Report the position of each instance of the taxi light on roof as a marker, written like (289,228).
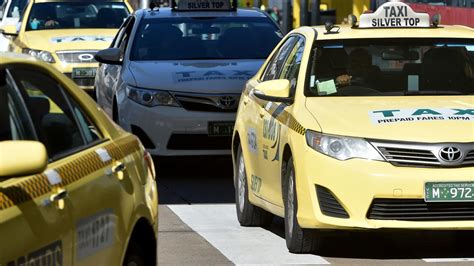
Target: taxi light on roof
(204,5)
(394,15)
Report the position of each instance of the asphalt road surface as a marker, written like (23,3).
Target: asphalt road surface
(198,226)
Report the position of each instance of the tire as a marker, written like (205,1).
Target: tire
(247,214)
(135,255)
(298,240)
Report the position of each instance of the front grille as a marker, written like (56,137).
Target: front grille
(76,56)
(83,82)
(419,210)
(328,204)
(425,154)
(199,142)
(401,156)
(226,103)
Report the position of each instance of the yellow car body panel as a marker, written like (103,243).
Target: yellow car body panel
(42,40)
(94,223)
(354,182)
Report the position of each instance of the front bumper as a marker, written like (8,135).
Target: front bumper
(174,131)
(356,183)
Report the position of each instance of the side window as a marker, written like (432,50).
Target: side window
(91,133)
(118,37)
(15,123)
(123,43)
(53,118)
(291,66)
(274,66)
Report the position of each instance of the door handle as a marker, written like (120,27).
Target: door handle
(262,113)
(61,194)
(246,100)
(119,167)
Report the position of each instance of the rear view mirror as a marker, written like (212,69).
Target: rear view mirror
(112,56)
(9,30)
(20,158)
(274,90)
(400,55)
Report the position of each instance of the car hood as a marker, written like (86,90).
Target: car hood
(409,118)
(205,76)
(71,39)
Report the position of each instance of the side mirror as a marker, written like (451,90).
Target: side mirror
(9,30)
(112,56)
(20,158)
(274,90)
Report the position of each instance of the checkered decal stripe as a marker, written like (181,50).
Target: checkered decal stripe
(38,185)
(279,113)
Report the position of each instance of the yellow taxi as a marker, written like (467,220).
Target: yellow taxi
(68,34)
(75,189)
(361,126)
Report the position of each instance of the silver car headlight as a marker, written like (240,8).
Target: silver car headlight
(44,56)
(151,98)
(342,148)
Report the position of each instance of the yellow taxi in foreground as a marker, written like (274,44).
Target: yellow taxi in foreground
(74,188)
(360,127)
(68,34)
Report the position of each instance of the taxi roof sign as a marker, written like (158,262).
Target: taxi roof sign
(394,15)
(204,5)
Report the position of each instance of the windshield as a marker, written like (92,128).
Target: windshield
(16,8)
(205,38)
(76,15)
(392,67)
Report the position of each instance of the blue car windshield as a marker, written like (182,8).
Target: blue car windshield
(205,38)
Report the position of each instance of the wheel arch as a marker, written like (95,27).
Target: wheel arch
(287,154)
(235,148)
(144,234)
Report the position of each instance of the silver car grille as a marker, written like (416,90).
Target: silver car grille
(208,102)
(77,56)
(427,155)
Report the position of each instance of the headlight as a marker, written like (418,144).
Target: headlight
(41,55)
(151,98)
(342,148)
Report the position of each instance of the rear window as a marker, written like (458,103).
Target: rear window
(77,15)
(205,38)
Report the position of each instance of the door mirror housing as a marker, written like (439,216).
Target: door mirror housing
(111,56)
(9,30)
(274,90)
(20,158)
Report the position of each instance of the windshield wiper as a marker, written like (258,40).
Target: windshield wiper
(433,93)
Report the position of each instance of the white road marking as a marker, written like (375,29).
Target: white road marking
(242,245)
(444,260)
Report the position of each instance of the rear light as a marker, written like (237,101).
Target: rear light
(149,163)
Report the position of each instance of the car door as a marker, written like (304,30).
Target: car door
(266,127)
(275,117)
(88,164)
(35,223)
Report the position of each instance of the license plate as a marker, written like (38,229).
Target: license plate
(87,72)
(449,191)
(220,128)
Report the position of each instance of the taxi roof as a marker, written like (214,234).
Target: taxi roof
(169,12)
(442,31)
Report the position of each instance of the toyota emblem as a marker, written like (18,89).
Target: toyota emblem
(86,57)
(227,102)
(450,154)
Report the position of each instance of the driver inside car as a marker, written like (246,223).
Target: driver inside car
(361,70)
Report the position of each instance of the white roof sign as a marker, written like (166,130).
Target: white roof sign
(394,15)
(196,5)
